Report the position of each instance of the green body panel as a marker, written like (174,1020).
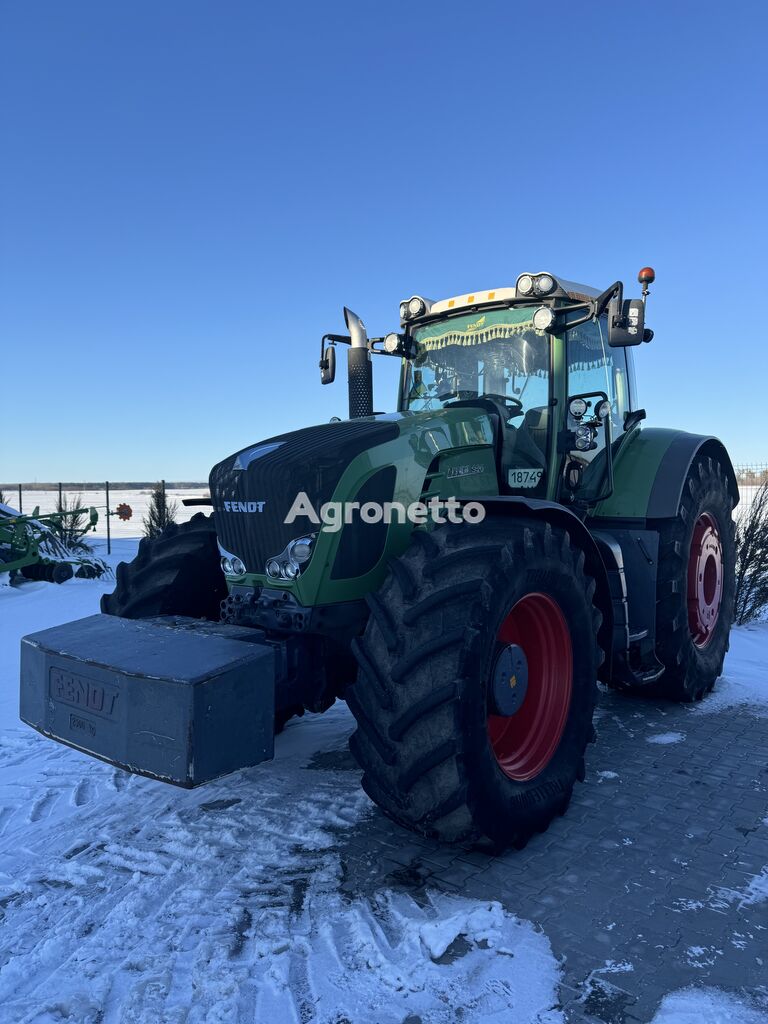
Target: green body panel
(635,469)
(459,437)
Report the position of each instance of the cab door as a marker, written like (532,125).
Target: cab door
(594,369)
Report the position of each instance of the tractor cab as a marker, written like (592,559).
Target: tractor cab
(549,361)
(543,380)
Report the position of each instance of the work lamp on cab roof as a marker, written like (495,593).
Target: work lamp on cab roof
(543,284)
(543,318)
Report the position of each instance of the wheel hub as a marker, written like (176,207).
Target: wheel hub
(705,579)
(535,635)
(509,680)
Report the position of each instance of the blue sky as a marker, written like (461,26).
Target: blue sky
(190,192)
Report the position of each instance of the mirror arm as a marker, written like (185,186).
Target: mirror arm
(602,300)
(589,315)
(372,342)
(333,339)
(594,308)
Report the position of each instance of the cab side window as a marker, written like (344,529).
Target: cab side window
(593,366)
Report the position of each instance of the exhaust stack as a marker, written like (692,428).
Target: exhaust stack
(359,371)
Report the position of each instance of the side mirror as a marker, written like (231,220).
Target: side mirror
(626,323)
(328,364)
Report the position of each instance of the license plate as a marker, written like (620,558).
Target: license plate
(525,477)
(83,693)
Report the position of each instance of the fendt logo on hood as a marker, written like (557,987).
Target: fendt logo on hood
(244,506)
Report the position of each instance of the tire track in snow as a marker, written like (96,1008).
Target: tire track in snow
(42,806)
(124,902)
(120,856)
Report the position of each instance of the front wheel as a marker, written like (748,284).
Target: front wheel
(477,681)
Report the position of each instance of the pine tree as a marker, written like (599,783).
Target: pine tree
(71,529)
(752,558)
(161,512)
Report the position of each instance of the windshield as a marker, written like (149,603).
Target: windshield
(496,354)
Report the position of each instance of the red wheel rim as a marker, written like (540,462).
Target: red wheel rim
(525,743)
(705,579)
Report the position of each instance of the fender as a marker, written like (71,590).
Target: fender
(650,471)
(559,515)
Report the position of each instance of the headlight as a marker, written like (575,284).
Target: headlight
(416,306)
(583,438)
(226,565)
(544,284)
(238,567)
(403,310)
(543,318)
(292,559)
(524,284)
(577,408)
(301,550)
(392,343)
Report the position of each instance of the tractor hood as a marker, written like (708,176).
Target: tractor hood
(395,457)
(254,489)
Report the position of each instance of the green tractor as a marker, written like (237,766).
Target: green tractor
(462,572)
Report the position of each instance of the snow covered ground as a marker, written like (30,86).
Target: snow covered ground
(125,900)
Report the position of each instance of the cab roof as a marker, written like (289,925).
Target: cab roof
(575,291)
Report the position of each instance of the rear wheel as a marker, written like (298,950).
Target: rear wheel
(477,681)
(696,583)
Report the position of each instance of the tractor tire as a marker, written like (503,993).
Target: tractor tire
(177,573)
(696,585)
(463,598)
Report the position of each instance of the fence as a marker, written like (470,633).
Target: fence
(753,474)
(750,477)
(105,497)
(108,495)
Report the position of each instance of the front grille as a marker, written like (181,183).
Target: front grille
(310,460)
